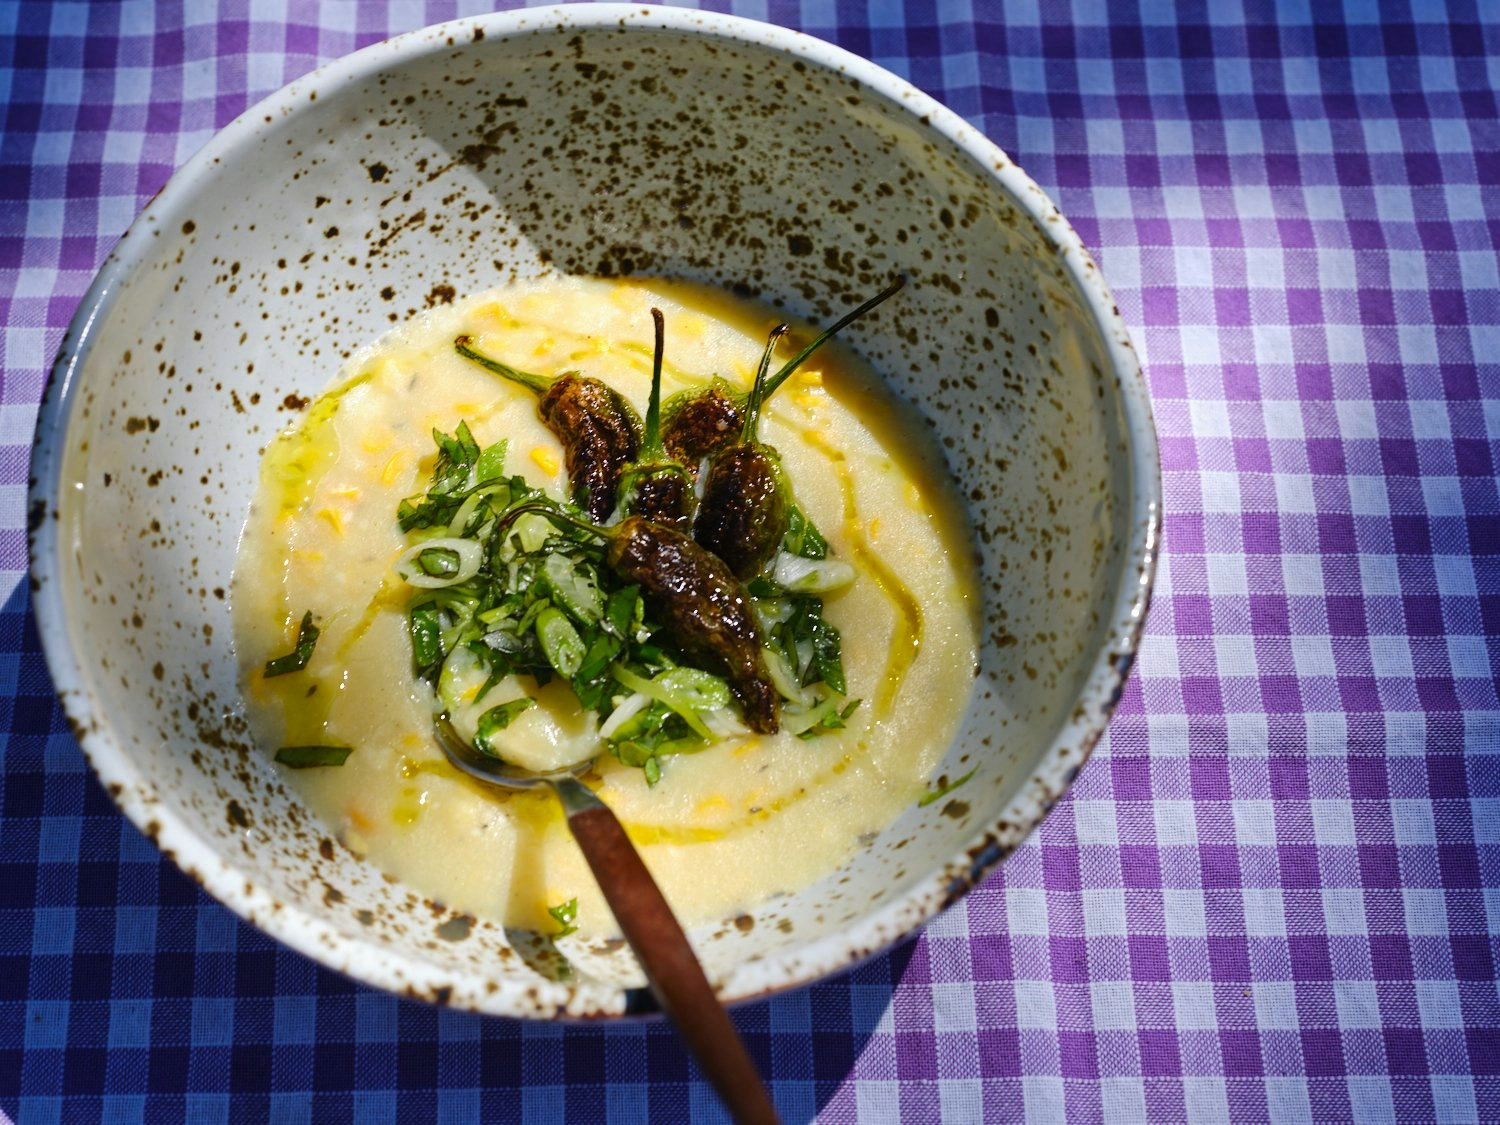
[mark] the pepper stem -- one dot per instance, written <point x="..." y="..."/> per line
<point x="538" y="383"/>
<point x="651" y="446"/>
<point x="545" y="509"/>
<point x="759" y="391"/>
<point x="828" y="333"/>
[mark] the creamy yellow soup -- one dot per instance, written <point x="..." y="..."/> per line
<point x="724" y="829"/>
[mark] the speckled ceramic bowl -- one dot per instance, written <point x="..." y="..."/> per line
<point x="597" y="140"/>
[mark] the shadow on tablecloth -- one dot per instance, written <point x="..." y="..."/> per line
<point x="136" y="983"/>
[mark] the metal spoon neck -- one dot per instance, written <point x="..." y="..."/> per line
<point x="576" y="797"/>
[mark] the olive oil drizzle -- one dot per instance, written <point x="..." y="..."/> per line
<point x="647" y="834"/>
<point x="297" y="458"/>
<point x="641" y="357"/>
<point x="907" y="642"/>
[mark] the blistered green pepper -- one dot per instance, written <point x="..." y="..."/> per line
<point x="599" y="431"/>
<point x="656" y="487"/>
<point x="699" y="423"/>
<point x="703" y="606"/>
<point x="746" y="499"/>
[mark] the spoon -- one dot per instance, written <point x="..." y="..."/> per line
<point x="654" y="934"/>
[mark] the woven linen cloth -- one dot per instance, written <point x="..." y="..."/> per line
<point x="1273" y="893"/>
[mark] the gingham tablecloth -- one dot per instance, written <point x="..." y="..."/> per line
<point x="1274" y="893"/>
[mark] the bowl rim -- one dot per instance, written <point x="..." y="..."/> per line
<point x="381" y="966"/>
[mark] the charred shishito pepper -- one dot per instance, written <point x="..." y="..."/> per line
<point x="746" y="500"/>
<point x="703" y="606"/>
<point x="657" y="487"/>
<point x="599" y="431"/>
<point x="699" y="423"/>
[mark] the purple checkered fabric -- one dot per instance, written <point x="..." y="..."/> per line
<point x="1273" y="894"/>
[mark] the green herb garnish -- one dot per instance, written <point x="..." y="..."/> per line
<point x="564" y="916"/>
<point x="426" y="636"/>
<point x="802" y="538"/>
<point x="491" y="463"/>
<point x="938" y="794"/>
<point x="495" y="720"/>
<point x="296" y="660"/>
<point x="462" y="470"/>
<point x="310" y="757"/>
<point x="809" y="644"/>
<point x="545" y="604"/>
<point x="832" y="714"/>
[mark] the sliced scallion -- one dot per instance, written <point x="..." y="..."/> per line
<point x="560" y="641"/>
<point x="435" y="563"/>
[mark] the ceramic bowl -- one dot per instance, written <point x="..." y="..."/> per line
<point x="588" y="139"/>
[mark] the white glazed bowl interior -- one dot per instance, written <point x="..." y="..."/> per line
<point x="592" y="140"/>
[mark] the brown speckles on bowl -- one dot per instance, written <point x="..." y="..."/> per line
<point x="584" y="139"/>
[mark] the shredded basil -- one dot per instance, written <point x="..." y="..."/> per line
<point x="625" y="612"/>
<point x="296" y="660"/>
<point x="310" y="757"/>
<point x="544" y="604"/>
<point x="802" y="538"/>
<point x="426" y="636"/>
<point x="565" y="915"/>
<point x="938" y="794"/>
<point x="462" y="469"/>
<point x="600" y="655"/>
<point x="495" y="720"/>
<point x="491" y="463"/>
<point x="810" y="645"/>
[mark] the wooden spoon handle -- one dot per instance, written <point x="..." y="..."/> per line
<point x="670" y="964"/>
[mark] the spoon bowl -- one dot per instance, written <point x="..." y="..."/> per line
<point x="493" y="771"/>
